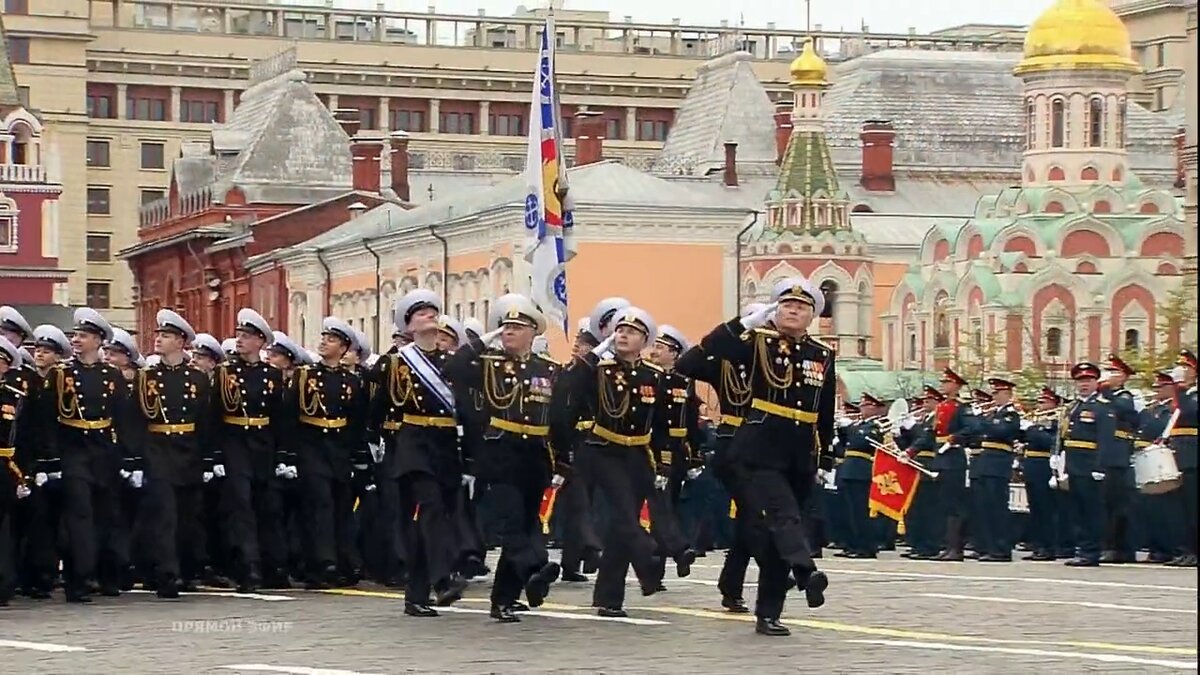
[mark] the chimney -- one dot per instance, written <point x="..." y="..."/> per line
<point x="731" y="177"/>
<point x="1180" y="154"/>
<point x="400" y="165"/>
<point x="783" y="129"/>
<point x="878" y="137"/>
<point x="365" y="154"/>
<point x="348" y="119"/>
<point x="356" y="209"/>
<point x="589" y="137"/>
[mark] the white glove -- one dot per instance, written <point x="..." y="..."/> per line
<point x="54" y="475"/>
<point x="694" y="473"/>
<point x="218" y="470"/>
<point x="1096" y="475"/>
<point x="370" y="487"/>
<point x="908" y="423"/>
<point x="290" y="472"/>
<point x="761" y="317"/>
<point x="468" y="481"/>
<point x="489" y="337"/>
<point x="557" y="481"/>
<point x="376" y="452"/>
<point x="942" y="450"/>
<point x="125" y="474"/>
<point x="1025" y="424"/>
<point x="40" y="479"/>
<point x="136" y="478"/>
<point x="604" y="346"/>
<point x="23" y="491"/>
<point x="208" y="475"/>
<point x="660" y="482"/>
<point x="360" y="467"/>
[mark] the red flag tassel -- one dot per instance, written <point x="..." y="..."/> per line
<point x="644" y="516"/>
<point x="546" y="511"/>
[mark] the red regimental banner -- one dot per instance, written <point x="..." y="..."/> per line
<point x="893" y="485"/>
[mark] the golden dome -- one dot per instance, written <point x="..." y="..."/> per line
<point x="1077" y="34"/>
<point x="808" y="69"/>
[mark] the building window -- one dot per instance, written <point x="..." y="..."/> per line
<point x="153" y="156"/>
<point x="147" y="109"/>
<point x="8" y="234"/>
<point x="1030" y="123"/>
<point x="203" y="112"/>
<point x="1095" y="123"/>
<point x="18" y="49"/>
<point x="1122" y="110"/>
<point x="567" y="126"/>
<point x="652" y="130"/>
<point x="98" y="295"/>
<point x="862" y="346"/>
<point x="368" y="119"/>
<point x="829" y="289"/>
<point x="101" y="106"/>
<point x="23" y="96"/>
<point x="149" y="195"/>
<point x="1160" y="55"/>
<point x="1054" y="342"/>
<point x="99" y="248"/>
<point x="97" y="201"/>
<point x="1057" y="123"/>
<point x="1132" y="339"/>
<point x="16" y="7"/>
<point x="471" y="308"/>
<point x="612" y="128"/>
<point x="458" y="311"/>
<point x="97" y="153"/>
<point x="506" y="125"/>
<point x="458" y="123"/>
<point x="912" y="347"/>
<point x="1157" y="106"/>
<point x="407" y="120"/>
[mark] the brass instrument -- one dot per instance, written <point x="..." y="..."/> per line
<point x="892" y="422"/>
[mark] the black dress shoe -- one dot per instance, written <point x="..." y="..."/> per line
<point x="683" y="563"/>
<point x="251" y="583"/>
<point x="771" y="627"/>
<point x="814" y="590"/>
<point x="574" y="577"/>
<point x="1188" y="561"/>
<point x="78" y="595"/>
<point x="110" y="590"/>
<point x="611" y="613"/>
<point x="37" y="593"/>
<point x="1082" y="562"/>
<point x="316" y="585"/>
<point x="451" y="592"/>
<point x="591" y="561"/>
<point x="504" y="614"/>
<point x="167" y="589"/>
<point x="189" y="586"/>
<point x="652" y="588"/>
<point x="474" y="567"/>
<point x="538" y="586"/>
<point x="734" y="605"/>
<point x="518" y="606"/>
<point x="421" y="611"/>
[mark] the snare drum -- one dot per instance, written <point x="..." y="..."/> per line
<point x="1155" y="471"/>
<point x="1018" y="498"/>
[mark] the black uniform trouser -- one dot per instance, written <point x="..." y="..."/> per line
<point x="1187" y="495"/>
<point x="860" y="531"/>
<point x="625" y="478"/>
<point x="252" y="509"/>
<point x="8" y="508"/>
<point x="1117" y="492"/>
<point x="732" y="581"/>
<point x="665" y="526"/>
<point x="174" y="527"/>
<point x="89" y="512"/>
<point x="467" y="533"/>
<point x="955" y="501"/>
<point x="393" y="527"/>
<point x="780" y="540"/>
<point x="1042" y="515"/>
<point x="574" y="505"/>
<point x="1086" y="506"/>
<point x="921" y="521"/>
<point x="328" y="501"/>
<point x="991" y="507"/>
<point x="432" y="544"/>
<point x="516" y="503"/>
<point x="43" y="516"/>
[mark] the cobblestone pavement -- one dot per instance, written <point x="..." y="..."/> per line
<point x="883" y="616"/>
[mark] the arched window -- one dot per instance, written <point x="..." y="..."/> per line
<point x="862" y="346"/>
<point x="912" y="346"/>
<point x="829" y="289"/>
<point x="1030" y="124"/>
<point x="1054" y="342"/>
<point x="1058" y="123"/>
<point x="1122" y="110"/>
<point x="1095" y="122"/>
<point x="977" y="339"/>
<point x="1132" y="339"/>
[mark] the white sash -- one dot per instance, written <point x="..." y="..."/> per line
<point x="428" y="373"/>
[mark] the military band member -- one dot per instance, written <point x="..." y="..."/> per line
<point x="422" y="472"/>
<point x="82" y="399"/>
<point x="732" y="387"/>
<point x="785" y="438"/>
<point x="1118" y="489"/>
<point x="996" y="432"/>
<point x="952" y="423"/>
<point x="854" y="477"/>
<point x="12" y="479"/>
<point x="921" y="521"/>
<point x="1040" y="435"/>
<point x="246" y="398"/>
<point x="323" y="405"/>
<point x="1161" y="514"/>
<point x="1088" y="428"/>
<point x="1183" y="442"/>
<point x="514" y="457"/>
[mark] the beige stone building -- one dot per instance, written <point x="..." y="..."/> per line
<point x="124" y="85"/>
<point x="1158" y="32"/>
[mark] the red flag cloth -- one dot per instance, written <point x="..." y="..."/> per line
<point x="644" y="516"/>
<point x="547" y="508"/>
<point x="893" y="485"/>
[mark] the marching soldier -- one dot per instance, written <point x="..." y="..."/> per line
<point x="422" y="472"/>
<point x="207" y="353"/>
<point x="121" y="352"/>
<point x="1118" y="489"/>
<point x="952" y="424"/>
<point x="285" y="355"/>
<point x="1045" y="519"/>
<point x="1160" y="512"/>
<point x="854" y="477"/>
<point x="323" y="403"/>
<point x="623" y="395"/>
<point x="732" y="386"/>
<point x="12" y="479"/>
<point x="82" y="400"/>
<point x="17" y="330"/>
<point x="1183" y="442"/>
<point x="921" y="521"/>
<point x="996" y="432"/>
<point x="784" y="441"/>
<point x="246" y="398"/>
<point x="173" y="398"/>
<point x="1088" y="428"/>
<point x="514" y="457"/>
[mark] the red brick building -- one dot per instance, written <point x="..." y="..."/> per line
<point x="281" y="171"/>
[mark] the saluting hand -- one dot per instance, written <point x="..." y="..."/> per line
<point x="761" y="317"/>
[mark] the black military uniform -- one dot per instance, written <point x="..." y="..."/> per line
<point x="1045" y="520"/>
<point x="514" y="456"/>
<point x="1085" y="432"/>
<point x="922" y="520"/>
<point x="81" y="401"/>
<point x="247" y="396"/>
<point x="991" y="469"/>
<point x="12" y="401"/>
<point x="780" y="446"/>
<point x="629" y="411"/>
<point x="952" y="425"/>
<point x="1117" y="487"/>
